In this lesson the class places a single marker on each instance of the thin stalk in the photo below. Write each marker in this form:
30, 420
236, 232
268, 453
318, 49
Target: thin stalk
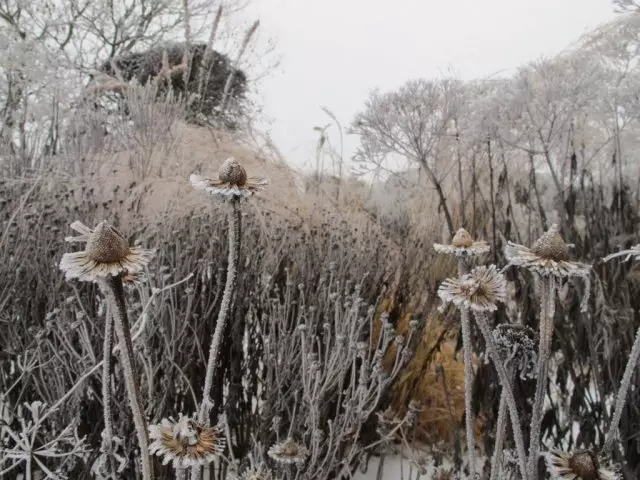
468, 388
232, 273
107, 434
113, 290
547, 311
501, 431
625, 384
481, 319
234, 219
468, 378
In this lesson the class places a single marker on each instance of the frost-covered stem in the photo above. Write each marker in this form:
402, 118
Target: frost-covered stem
113, 290
225, 307
468, 377
622, 393
468, 388
181, 473
547, 311
501, 430
481, 319
107, 434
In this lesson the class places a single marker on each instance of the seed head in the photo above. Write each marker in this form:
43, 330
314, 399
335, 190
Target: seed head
233, 173
463, 245
580, 465
517, 348
551, 245
186, 442
481, 290
288, 451
106, 244
106, 253
462, 239
232, 181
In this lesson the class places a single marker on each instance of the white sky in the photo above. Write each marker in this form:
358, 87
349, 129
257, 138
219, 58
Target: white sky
334, 52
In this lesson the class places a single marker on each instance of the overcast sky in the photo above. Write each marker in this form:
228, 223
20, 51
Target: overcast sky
334, 52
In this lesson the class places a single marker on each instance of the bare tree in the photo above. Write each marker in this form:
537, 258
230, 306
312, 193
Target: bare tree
410, 122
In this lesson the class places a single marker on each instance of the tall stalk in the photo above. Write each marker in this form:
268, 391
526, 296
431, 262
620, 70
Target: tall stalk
501, 431
621, 400
234, 219
107, 434
544, 351
481, 319
114, 292
467, 348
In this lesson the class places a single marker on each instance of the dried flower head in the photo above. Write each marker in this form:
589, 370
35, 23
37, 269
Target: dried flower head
107, 253
517, 346
232, 181
186, 442
462, 244
258, 473
288, 451
480, 290
580, 465
549, 255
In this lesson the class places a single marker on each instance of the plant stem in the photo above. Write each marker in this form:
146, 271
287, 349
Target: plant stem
234, 218
501, 430
481, 319
225, 307
547, 311
625, 384
113, 290
467, 348
468, 388
107, 434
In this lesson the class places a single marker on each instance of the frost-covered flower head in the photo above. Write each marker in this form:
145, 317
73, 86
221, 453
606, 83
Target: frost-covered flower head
480, 290
288, 451
462, 244
549, 255
517, 347
106, 253
232, 181
186, 442
259, 473
580, 465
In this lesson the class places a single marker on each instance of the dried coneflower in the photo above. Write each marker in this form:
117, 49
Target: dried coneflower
106, 258
480, 290
549, 259
186, 442
259, 473
580, 465
459, 291
232, 181
549, 255
463, 244
517, 346
232, 184
288, 451
107, 253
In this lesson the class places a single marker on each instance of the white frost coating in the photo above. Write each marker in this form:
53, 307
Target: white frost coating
232, 272
547, 311
115, 298
481, 320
